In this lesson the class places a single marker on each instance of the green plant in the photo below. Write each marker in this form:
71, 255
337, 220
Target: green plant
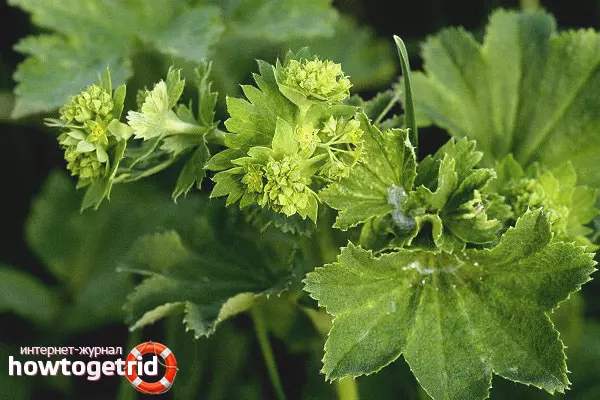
456, 261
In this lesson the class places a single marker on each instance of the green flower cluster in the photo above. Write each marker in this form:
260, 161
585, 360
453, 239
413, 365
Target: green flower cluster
343, 143
97, 144
286, 189
323, 80
528, 193
279, 177
570, 207
93, 103
85, 164
86, 118
293, 137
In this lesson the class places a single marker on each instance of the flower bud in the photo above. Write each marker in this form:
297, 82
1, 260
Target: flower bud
87, 106
286, 189
323, 80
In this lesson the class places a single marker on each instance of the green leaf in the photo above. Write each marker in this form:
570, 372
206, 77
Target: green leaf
151, 121
227, 184
252, 122
42, 85
388, 165
156, 314
409, 109
175, 86
571, 207
447, 208
191, 34
284, 142
25, 296
582, 356
211, 281
82, 250
452, 198
207, 100
526, 90
192, 173
456, 319
280, 20
62, 63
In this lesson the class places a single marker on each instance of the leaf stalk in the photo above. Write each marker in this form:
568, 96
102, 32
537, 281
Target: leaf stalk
267, 351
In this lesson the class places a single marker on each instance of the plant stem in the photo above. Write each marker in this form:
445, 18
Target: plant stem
347, 389
530, 4
265, 346
216, 136
388, 107
174, 125
125, 391
127, 178
409, 108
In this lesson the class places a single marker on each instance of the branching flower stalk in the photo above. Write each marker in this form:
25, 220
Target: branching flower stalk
153, 138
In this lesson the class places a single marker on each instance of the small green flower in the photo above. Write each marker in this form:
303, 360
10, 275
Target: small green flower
335, 170
287, 188
253, 179
322, 80
340, 130
93, 103
342, 139
85, 165
529, 193
307, 136
98, 133
84, 158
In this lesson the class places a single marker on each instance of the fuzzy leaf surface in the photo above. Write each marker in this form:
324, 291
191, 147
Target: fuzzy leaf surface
202, 276
455, 319
78, 27
388, 162
525, 90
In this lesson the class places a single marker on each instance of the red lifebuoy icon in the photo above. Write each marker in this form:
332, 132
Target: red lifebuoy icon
158, 349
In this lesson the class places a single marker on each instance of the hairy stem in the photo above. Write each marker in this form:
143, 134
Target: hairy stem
125, 392
267, 351
347, 389
177, 126
216, 136
127, 177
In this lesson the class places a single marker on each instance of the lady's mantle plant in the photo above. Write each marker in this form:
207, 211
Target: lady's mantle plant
454, 265
292, 137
